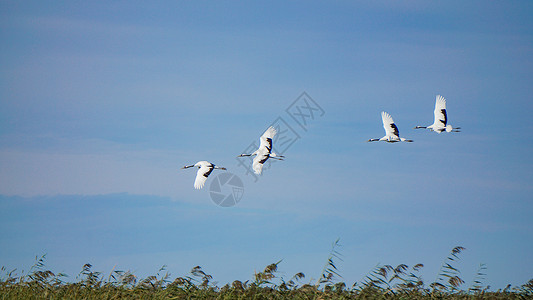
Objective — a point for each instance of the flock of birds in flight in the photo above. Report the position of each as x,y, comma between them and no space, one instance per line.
264,152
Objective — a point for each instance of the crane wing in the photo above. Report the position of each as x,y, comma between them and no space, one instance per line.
258,162
388,123
441,118
201,176
266,139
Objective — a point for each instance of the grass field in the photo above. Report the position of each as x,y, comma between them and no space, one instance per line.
383,282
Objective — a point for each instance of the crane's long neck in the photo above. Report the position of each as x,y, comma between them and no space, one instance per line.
251,154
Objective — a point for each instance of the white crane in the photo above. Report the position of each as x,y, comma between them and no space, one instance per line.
440,123
204,169
392,135
264,152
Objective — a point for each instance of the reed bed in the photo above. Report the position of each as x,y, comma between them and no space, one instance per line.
383,282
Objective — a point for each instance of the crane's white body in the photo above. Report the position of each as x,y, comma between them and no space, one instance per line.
440,122
264,152
204,169
392,134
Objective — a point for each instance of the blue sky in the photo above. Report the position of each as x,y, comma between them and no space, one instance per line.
101,103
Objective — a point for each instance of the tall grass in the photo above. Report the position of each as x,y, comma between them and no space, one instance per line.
330,271
382,282
448,278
